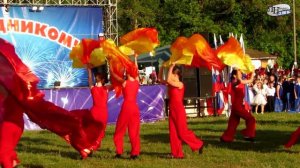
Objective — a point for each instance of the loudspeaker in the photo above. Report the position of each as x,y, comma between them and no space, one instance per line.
191,81
100,69
205,82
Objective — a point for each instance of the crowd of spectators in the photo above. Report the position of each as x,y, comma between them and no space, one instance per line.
149,79
275,90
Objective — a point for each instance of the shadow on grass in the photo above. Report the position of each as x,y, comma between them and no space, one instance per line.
38,140
32,166
162,155
217,121
42,141
276,122
265,142
38,150
40,144
258,121
214,130
156,137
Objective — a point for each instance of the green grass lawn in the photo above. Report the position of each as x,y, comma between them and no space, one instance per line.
39,149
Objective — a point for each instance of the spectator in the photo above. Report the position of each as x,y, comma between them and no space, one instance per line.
143,80
291,95
260,97
286,93
153,77
297,94
272,79
279,95
270,91
265,83
149,81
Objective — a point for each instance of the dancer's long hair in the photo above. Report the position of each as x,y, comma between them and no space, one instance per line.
101,77
177,71
233,75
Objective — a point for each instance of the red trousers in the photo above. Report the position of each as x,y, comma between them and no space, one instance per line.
94,126
179,132
129,117
293,139
234,120
10,133
100,116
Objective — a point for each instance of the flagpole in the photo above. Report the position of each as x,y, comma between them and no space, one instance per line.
295,34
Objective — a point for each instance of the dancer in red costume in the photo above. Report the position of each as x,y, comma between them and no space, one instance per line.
94,121
178,128
129,116
238,110
99,112
293,139
20,85
11,129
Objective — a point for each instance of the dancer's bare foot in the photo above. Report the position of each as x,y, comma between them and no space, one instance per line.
85,153
67,138
16,163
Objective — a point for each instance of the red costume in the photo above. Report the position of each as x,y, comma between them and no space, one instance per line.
129,117
238,111
94,121
23,96
11,130
293,139
99,115
178,125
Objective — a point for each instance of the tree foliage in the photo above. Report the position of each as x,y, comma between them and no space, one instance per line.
175,18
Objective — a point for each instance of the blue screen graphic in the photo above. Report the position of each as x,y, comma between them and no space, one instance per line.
43,39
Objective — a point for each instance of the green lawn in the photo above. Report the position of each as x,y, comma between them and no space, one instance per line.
39,149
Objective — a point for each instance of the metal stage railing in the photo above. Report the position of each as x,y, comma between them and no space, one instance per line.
195,103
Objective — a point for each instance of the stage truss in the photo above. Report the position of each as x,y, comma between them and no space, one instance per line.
109,10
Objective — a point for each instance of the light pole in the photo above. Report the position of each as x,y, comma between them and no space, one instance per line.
295,34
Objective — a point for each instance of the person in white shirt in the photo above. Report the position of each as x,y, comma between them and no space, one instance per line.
270,91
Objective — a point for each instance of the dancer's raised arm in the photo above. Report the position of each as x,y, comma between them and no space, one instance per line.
115,76
239,77
174,76
137,67
90,79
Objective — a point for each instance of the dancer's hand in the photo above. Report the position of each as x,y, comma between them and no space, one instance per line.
136,55
252,75
89,66
173,64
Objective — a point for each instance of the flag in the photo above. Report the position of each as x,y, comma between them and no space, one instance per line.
247,98
218,86
215,41
221,40
242,43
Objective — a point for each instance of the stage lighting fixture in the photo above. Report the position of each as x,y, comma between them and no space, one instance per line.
100,34
34,8
41,8
6,8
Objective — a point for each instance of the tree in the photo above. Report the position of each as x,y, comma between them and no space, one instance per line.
175,18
